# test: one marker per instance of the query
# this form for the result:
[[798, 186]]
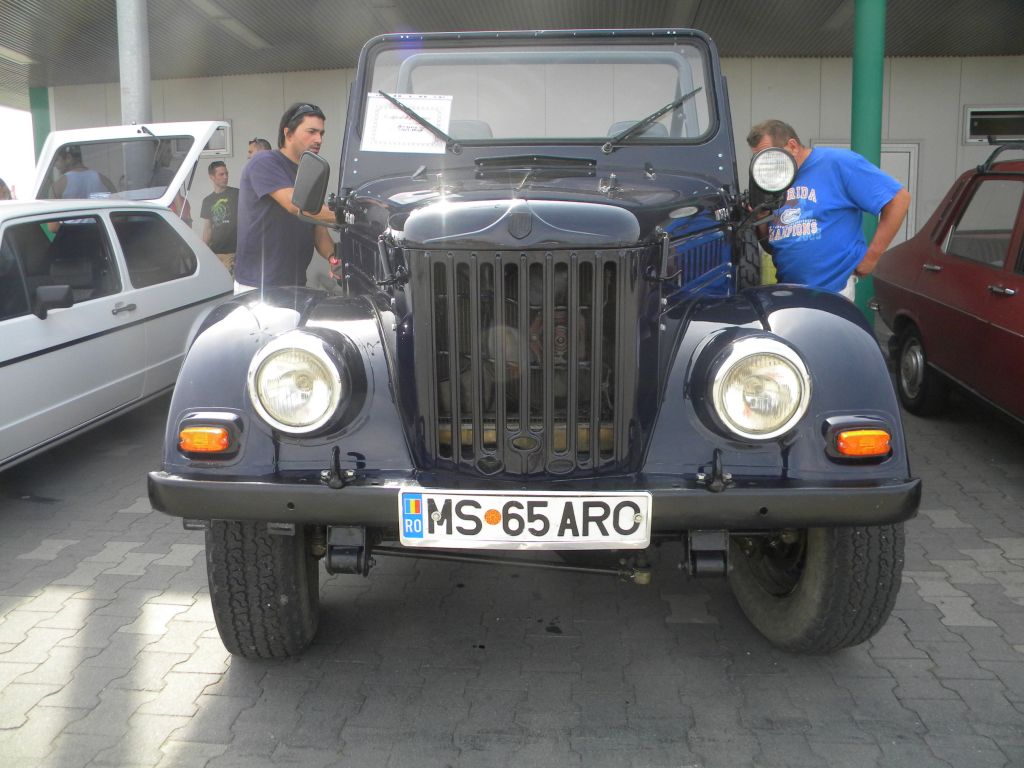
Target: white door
[[175, 278], [900, 162], [64, 371]]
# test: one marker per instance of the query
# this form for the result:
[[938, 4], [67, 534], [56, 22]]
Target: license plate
[[524, 520]]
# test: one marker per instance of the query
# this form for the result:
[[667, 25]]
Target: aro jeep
[[550, 334]]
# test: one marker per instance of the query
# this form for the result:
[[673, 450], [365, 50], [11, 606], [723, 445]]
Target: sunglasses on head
[[306, 109]]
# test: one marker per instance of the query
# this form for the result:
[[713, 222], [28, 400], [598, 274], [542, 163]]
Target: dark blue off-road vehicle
[[549, 335]]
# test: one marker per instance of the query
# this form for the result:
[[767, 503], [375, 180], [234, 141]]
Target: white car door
[[175, 278], [61, 372]]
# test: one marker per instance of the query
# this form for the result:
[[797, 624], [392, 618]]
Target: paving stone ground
[[109, 655]]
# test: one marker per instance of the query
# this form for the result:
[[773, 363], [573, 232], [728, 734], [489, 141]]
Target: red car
[[953, 294]]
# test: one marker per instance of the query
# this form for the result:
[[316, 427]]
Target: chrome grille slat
[[476, 382], [596, 323], [527, 355], [573, 324], [547, 353]]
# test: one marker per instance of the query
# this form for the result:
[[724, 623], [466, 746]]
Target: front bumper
[[373, 501]]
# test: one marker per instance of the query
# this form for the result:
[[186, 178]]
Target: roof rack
[[1002, 146]]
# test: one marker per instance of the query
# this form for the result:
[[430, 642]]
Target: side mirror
[[51, 297], [311, 183]]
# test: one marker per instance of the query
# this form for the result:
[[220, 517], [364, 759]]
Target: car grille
[[527, 362]]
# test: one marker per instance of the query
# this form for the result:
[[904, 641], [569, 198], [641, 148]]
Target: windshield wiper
[[450, 144], [637, 127]]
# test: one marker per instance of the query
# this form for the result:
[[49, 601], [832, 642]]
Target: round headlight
[[294, 384], [773, 169], [761, 388]]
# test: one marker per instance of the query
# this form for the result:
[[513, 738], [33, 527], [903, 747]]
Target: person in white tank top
[[78, 181]]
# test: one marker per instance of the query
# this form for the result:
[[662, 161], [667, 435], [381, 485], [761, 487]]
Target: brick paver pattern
[[109, 655]]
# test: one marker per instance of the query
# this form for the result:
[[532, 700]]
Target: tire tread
[[856, 579], [261, 589]]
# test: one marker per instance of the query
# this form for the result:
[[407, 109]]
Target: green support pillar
[[39, 104], [866, 121]]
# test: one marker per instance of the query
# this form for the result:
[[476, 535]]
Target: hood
[[522, 224], [149, 162], [461, 204]]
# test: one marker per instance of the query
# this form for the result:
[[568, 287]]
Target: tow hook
[[335, 477], [719, 479]]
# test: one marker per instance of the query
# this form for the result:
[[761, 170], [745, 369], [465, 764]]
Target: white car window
[[70, 251], [153, 251], [80, 256], [13, 292]]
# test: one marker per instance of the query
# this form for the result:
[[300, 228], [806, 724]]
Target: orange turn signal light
[[863, 442], [204, 440]]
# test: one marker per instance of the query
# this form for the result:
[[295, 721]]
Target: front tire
[[264, 589], [922, 391], [748, 262], [820, 589]]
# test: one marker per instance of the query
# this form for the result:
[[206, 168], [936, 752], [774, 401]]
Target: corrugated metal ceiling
[[66, 42]]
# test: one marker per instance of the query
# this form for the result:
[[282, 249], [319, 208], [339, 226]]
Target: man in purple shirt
[[275, 245]]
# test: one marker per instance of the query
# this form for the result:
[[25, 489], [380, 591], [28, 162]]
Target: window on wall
[[153, 250], [1001, 123], [984, 229]]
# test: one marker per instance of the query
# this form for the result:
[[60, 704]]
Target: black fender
[[849, 379], [213, 380]]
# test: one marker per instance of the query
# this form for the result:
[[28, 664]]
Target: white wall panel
[[923, 108], [79, 106], [836, 87], [200, 98], [923, 104], [113, 92], [254, 104], [790, 90], [738, 74]]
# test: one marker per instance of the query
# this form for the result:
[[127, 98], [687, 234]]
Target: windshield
[[552, 90], [136, 169]]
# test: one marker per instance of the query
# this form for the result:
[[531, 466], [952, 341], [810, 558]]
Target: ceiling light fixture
[[15, 57], [246, 35], [215, 13]]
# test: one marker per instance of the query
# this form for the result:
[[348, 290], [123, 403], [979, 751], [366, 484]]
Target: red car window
[[985, 227]]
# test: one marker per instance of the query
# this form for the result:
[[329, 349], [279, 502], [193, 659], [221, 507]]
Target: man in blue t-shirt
[[815, 238], [275, 245]]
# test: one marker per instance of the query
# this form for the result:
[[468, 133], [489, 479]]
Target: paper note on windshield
[[389, 129]]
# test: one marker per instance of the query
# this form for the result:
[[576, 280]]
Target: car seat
[[77, 258], [13, 299], [31, 246], [469, 129]]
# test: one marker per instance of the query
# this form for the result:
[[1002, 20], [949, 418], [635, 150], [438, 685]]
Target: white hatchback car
[[101, 288]]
